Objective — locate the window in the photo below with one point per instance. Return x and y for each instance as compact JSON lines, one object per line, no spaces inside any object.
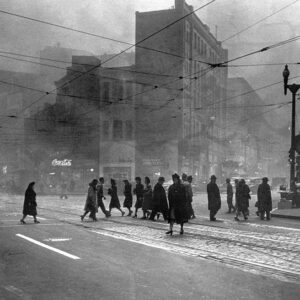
{"x":121,"y":90}
{"x":187,"y":32}
{"x":117,"y":129}
{"x":195,"y":41}
{"x":105,"y":129}
{"x":129,"y":90}
{"x":128,"y":129}
{"x":106,"y":88}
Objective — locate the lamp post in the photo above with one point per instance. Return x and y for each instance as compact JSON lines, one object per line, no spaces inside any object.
{"x":293,"y":89}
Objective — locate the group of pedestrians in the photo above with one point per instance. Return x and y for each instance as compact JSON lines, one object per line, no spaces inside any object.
{"x":174,"y":206}
{"x":242,"y":197}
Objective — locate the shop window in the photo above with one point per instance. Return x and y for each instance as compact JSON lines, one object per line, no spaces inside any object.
{"x":117,"y":129}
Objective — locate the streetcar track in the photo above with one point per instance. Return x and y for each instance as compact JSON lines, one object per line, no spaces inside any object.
{"x":230,"y":261}
{"x":263,"y":268}
{"x":152,"y":226}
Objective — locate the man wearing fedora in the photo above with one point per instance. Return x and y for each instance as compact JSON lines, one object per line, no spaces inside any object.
{"x":264,"y":199}
{"x":214,"y":198}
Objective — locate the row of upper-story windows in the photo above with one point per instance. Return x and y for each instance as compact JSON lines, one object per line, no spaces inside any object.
{"x":116,"y":90}
{"x":199,"y":44}
{"x":117,"y":129}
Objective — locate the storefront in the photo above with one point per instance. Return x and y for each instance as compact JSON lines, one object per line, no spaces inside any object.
{"x":67,"y":175}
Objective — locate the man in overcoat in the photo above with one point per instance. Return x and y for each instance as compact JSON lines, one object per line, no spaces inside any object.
{"x":214,"y":198}
{"x":242,"y":200}
{"x":264,"y":199}
{"x":177,"y":204}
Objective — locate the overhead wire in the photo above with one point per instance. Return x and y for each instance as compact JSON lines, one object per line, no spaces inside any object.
{"x":273,"y":45}
{"x":259,"y":21}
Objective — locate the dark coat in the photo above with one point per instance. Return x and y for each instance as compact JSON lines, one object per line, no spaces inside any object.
{"x":177,"y":203}
{"x":29,"y":207}
{"x":160,"y":202}
{"x":147,"y":198}
{"x":229,"y":191}
{"x":264,"y":198}
{"x":214,"y":197}
{"x":100,"y":194}
{"x":139,"y":192}
{"x":91,"y":204}
{"x":114,"y":201}
{"x":128,"y":196}
{"x":242,"y":197}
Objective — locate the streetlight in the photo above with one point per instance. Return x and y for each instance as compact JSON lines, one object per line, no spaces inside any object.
{"x":293,"y":88}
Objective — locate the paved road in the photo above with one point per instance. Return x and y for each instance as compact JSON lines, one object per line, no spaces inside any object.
{"x":125,"y":258}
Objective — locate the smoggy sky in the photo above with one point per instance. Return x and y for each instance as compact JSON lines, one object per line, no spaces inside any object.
{"x":116,"y":19}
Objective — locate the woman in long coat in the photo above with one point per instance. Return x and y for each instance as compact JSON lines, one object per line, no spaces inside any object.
{"x":242,"y":200}
{"x":114,"y":200}
{"x":138,"y":191}
{"x":264,"y":199}
{"x":147,"y":198}
{"x":160,"y":202}
{"x":29,"y":206}
{"x":177,"y":204}
{"x":128,"y":196}
{"x":91,"y":205}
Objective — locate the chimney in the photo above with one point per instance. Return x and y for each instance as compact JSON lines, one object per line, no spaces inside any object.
{"x":179,"y":4}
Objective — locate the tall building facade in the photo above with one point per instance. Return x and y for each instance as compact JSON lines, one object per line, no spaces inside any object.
{"x":198,"y":116}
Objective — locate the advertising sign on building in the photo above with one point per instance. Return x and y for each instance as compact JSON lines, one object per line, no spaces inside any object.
{"x":62,"y":163}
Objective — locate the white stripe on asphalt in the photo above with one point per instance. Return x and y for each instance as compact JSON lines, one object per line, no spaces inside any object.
{"x":18,"y":292}
{"x":47,"y":247}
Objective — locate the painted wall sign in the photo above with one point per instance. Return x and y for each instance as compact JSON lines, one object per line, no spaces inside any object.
{"x":62,"y":163}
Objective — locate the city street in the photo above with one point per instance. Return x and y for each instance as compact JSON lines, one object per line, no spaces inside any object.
{"x":125,"y":258}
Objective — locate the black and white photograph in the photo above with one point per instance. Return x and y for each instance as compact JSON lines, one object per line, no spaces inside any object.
{"x":149,"y":149}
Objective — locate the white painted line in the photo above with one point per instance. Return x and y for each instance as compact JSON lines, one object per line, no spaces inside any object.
{"x":46,"y":246}
{"x":16,"y":291}
{"x":57,"y":239}
{"x":40,"y":218}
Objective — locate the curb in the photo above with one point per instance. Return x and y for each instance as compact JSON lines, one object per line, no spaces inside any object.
{"x":273,"y":214}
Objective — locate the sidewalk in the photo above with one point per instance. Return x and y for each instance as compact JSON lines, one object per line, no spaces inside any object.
{"x":293,"y":213}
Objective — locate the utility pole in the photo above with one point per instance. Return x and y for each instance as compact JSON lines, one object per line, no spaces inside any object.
{"x":293,"y":89}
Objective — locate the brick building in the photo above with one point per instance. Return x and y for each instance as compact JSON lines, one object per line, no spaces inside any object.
{"x":192,"y":138}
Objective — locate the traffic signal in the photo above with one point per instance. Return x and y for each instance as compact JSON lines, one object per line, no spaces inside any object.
{"x":290,"y":155}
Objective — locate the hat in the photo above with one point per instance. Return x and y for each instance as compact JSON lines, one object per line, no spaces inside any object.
{"x":161,"y":179}
{"x":175,"y":176}
{"x":265,"y":179}
{"x":94,"y":182}
{"x":213,"y":177}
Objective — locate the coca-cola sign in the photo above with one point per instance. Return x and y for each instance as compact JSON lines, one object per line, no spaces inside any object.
{"x":62,"y":163}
